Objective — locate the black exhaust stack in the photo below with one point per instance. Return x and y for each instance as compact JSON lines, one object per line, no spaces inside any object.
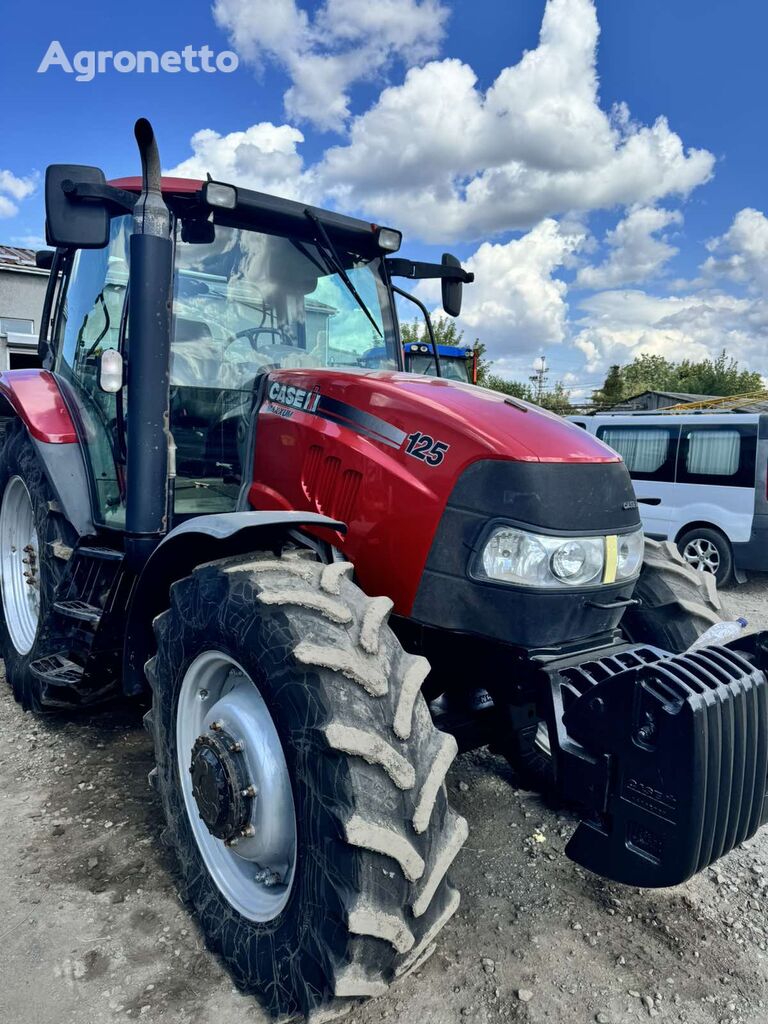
{"x":149,"y":347}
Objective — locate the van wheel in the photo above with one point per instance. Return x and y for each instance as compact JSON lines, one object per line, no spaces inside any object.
{"x":707,"y":550}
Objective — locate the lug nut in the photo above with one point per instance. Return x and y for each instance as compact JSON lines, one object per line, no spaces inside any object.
{"x":217,"y":726}
{"x":237,"y":746}
{"x":231,"y":842}
{"x":248,"y":831}
{"x":249,"y":791}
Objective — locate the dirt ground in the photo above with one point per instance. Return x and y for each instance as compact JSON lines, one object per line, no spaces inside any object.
{"x":92,"y":930}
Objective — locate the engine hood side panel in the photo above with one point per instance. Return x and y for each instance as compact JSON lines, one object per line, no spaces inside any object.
{"x":342,"y":443}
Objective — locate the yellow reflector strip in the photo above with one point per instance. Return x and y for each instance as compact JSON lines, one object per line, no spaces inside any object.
{"x":611,"y":558}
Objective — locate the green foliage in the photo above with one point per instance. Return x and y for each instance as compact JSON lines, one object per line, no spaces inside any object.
{"x":719,"y":376}
{"x":557,"y":400}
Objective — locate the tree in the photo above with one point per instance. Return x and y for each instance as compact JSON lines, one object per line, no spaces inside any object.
{"x":557,"y":400}
{"x":612,"y":390}
{"x":719,"y":376}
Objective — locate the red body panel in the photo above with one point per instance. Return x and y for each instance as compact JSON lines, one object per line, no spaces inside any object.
{"x":391,"y":501}
{"x":35,"y":397}
{"x":178,"y":185}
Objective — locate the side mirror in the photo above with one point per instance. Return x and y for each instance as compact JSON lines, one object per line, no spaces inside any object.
{"x":198,"y":232}
{"x":452,"y":290}
{"x":71,"y":221}
{"x":44,"y":259}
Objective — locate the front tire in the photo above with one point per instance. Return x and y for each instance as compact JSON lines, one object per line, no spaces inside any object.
{"x":678,"y":603}
{"x":360,"y":888}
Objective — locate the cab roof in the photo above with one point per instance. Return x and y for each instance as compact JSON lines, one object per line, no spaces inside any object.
{"x":276,"y":215}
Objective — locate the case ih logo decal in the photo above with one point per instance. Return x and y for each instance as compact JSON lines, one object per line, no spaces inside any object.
{"x":293,"y":398}
{"x":284,"y":399}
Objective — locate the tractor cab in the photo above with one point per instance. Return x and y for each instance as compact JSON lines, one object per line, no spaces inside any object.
{"x":245,"y":301}
{"x":456,"y":362}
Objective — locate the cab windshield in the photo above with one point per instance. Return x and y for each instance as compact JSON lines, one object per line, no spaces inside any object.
{"x":450,"y":368}
{"x":249,"y":301}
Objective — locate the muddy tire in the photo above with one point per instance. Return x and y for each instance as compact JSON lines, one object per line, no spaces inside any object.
{"x":374,"y":834}
{"x":21,"y":639}
{"x":678,"y":603}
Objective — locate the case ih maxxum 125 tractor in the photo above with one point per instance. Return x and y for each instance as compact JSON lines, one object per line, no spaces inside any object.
{"x":328,"y":577}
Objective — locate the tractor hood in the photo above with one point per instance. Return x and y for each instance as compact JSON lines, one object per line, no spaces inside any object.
{"x":475,"y":422}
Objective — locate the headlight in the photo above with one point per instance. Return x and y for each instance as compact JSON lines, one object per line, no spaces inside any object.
{"x":630,"y":555}
{"x":517,"y":556}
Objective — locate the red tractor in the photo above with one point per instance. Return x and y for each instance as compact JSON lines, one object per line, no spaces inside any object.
{"x":327,"y":577}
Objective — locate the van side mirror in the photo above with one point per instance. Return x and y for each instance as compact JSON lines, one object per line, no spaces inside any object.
{"x":452,"y":288}
{"x":73,"y":219}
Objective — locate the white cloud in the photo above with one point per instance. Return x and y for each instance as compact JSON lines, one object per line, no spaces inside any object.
{"x":263,"y":157}
{"x":324,"y":54}
{"x":741,"y":254}
{"x":447,"y":160}
{"x":437,"y":155}
{"x":12,"y":190}
{"x":616,"y":326}
{"x":516,"y":304}
{"x":636,"y":254}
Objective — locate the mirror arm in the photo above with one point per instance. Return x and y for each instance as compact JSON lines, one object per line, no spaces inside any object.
{"x":427,"y":320}
{"x":116,"y":198}
{"x":415,"y":270}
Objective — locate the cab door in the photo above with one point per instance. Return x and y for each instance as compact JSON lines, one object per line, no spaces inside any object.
{"x":91,"y":319}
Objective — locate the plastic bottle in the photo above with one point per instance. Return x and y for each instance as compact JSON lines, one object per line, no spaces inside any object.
{"x":720,"y":633}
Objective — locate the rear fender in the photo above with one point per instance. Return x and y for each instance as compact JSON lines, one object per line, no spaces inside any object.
{"x":193,"y":543}
{"x":34,"y":398}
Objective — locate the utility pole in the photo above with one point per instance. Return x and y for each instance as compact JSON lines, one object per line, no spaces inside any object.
{"x":539,"y":378}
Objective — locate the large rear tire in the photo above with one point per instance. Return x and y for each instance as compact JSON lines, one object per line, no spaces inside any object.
{"x":324,"y":693}
{"x":35,"y":542}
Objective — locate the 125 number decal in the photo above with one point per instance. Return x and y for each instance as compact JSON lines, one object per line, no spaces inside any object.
{"x":422,"y":446}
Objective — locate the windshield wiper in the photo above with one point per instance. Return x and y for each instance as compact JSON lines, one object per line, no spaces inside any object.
{"x":331,"y":256}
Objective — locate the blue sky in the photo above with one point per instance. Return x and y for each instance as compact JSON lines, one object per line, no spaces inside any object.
{"x":600,"y":165}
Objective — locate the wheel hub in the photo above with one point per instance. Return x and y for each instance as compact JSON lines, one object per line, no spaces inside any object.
{"x":220,"y":785}
{"x":236,"y":785}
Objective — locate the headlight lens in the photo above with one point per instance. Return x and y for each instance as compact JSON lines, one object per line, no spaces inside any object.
{"x":630,"y":551}
{"x":517,"y":556}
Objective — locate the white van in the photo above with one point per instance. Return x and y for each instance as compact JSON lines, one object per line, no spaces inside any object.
{"x":700,"y":480}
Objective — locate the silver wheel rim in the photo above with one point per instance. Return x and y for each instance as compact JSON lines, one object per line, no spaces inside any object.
{"x":255,"y":876}
{"x":701,"y":554}
{"x":19,"y":565}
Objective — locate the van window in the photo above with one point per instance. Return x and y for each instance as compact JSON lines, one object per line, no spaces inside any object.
{"x":711,"y":454}
{"x":713,"y":451}
{"x":649,"y":452}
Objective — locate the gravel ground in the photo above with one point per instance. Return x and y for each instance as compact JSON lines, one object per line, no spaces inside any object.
{"x":91,"y":928}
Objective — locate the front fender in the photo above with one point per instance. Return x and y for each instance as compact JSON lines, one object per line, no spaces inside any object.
{"x":190,"y":544}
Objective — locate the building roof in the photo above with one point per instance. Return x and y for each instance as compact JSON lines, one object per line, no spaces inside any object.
{"x":679,"y":396}
{"x":13,"y":257}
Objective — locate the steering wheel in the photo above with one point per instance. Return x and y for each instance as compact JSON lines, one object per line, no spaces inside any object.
{"x":253,"y":334}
